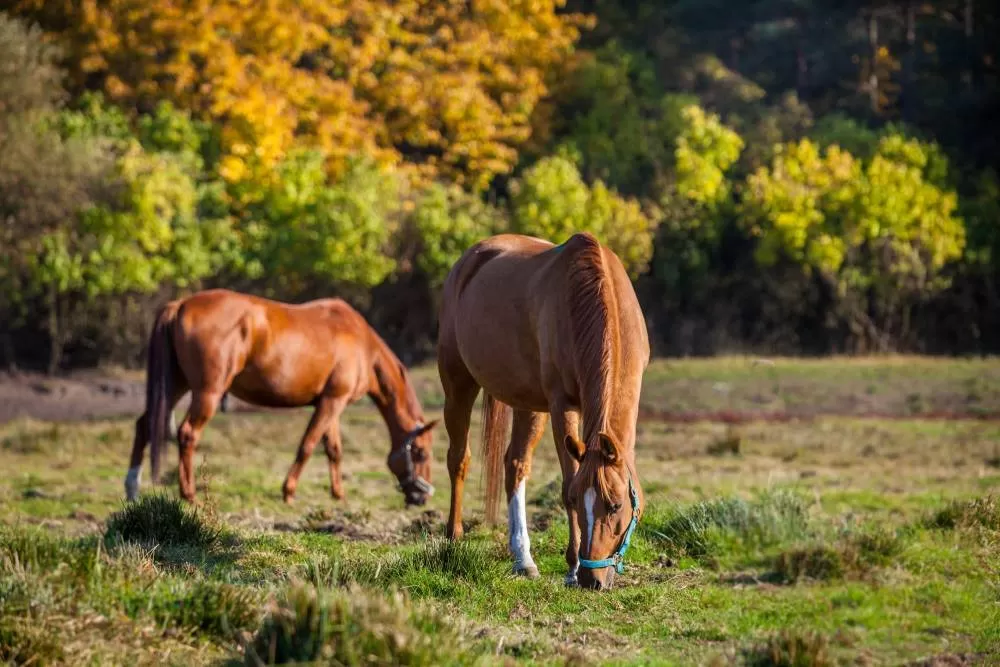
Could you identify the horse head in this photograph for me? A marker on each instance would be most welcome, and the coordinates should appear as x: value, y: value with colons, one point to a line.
x: 606, y: 495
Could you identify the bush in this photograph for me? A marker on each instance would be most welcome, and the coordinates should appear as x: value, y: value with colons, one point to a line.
x: 353, y: 628
x: 162, y: 520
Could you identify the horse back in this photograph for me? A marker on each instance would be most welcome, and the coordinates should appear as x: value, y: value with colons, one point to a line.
x: 270, y: 352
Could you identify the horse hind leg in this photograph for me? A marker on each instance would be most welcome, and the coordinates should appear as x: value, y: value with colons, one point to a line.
x: 133, y: 477
x: 460, y: 391
x: 525, y: 434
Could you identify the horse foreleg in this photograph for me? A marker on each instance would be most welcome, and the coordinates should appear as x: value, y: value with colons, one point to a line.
x: 525, y: 434
x: 563, y: 423
x: 334, y: 450
x: 317, y: 428
x: 203, y: 406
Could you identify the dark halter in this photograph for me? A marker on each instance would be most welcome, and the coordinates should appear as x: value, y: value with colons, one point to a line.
x: 412, y: 481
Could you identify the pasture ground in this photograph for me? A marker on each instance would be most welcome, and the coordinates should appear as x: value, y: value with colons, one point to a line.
x: 818, y: 534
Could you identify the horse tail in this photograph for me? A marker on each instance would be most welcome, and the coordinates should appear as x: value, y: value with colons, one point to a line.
x: 496, y: 425
x: 160, y: 365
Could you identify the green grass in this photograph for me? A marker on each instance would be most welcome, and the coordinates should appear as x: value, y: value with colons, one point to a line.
x: 816, y: 542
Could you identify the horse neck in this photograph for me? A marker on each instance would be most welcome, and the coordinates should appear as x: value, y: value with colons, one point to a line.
x: 389, y: 390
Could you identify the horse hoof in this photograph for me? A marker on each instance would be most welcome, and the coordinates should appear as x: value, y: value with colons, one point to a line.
x: 289, y: 498
x: 530, y: 571
x: 571, y: 581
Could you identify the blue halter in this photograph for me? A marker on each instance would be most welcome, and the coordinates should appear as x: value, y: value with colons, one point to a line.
x: 618, y: 557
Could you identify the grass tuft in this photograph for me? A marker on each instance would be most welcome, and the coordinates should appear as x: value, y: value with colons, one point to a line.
x: 467, y: 560
x: 790, y: 648
x: 23, y: 642
x: 162, y: 520
x: 34, y: 549
x: 353, y: 628
x: 855, y: 556
x: 981, y: 512
x: 206, y: 606
x: 701, y: 529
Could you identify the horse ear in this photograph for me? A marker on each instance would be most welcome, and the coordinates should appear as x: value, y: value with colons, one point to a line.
x: 610, y: 448
x: 574, y: 447
x: 427, y: 427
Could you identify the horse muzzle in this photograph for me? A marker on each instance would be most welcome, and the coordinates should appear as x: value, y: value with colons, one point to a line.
x: 416, y: 490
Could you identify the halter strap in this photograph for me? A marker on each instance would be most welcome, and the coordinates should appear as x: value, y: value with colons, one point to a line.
x: 617, y: 559
x: 406, y: 451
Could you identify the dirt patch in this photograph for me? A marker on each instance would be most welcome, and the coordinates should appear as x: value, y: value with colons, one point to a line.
x: 82, y: 396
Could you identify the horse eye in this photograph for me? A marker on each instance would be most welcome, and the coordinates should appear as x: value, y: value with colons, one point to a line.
x: 615, y: 507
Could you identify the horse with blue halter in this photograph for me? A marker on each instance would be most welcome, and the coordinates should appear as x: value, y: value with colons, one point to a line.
x: 547, y: 331
x: 321, y: 354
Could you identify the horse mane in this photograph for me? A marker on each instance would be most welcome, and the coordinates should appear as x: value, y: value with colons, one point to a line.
x: 593, y: 316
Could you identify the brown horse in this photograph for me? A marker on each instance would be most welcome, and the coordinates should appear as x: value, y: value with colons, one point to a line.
x: 321, y: 353
x: 548, y: 330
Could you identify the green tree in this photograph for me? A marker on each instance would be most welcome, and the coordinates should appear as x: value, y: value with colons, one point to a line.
x: 302, y: 229
x: 552, y: 201
x: 446, y: 222
x: 877, y: 232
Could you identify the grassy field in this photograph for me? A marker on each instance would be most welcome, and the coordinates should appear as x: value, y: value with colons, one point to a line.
x: 811, y: 541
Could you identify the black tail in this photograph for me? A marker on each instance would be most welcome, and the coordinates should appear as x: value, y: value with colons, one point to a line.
x: 496, y: 427
x: 159, y: 373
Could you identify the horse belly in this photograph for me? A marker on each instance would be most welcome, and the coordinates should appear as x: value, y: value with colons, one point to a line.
x: 276, y: 389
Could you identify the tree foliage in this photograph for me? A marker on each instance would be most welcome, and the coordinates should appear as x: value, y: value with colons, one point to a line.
x: 449, y: 86
x: 878, y: 228
x: 552, y: 201
x: 301, y: 228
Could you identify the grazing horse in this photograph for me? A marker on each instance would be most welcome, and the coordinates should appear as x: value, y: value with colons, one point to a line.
x: 545, y: 331
x: 321, y: 353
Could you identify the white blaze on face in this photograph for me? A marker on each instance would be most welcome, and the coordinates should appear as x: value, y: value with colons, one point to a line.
x: 588, y: 503
x: 517, y: 524
x: 132, y: 482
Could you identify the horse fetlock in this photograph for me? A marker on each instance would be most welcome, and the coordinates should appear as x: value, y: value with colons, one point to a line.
x: 529, y: 570
x: 132, y: 479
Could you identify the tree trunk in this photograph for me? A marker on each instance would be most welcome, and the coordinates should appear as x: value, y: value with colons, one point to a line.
x: 56, y: 342
x: 873, y: 89
x: 970, y: 49
x: 908, y: 94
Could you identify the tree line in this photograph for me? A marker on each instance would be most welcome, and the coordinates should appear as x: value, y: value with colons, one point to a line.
x: 786, y: 177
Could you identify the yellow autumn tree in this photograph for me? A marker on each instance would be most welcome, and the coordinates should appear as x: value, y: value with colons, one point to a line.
x: 447, y: 86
